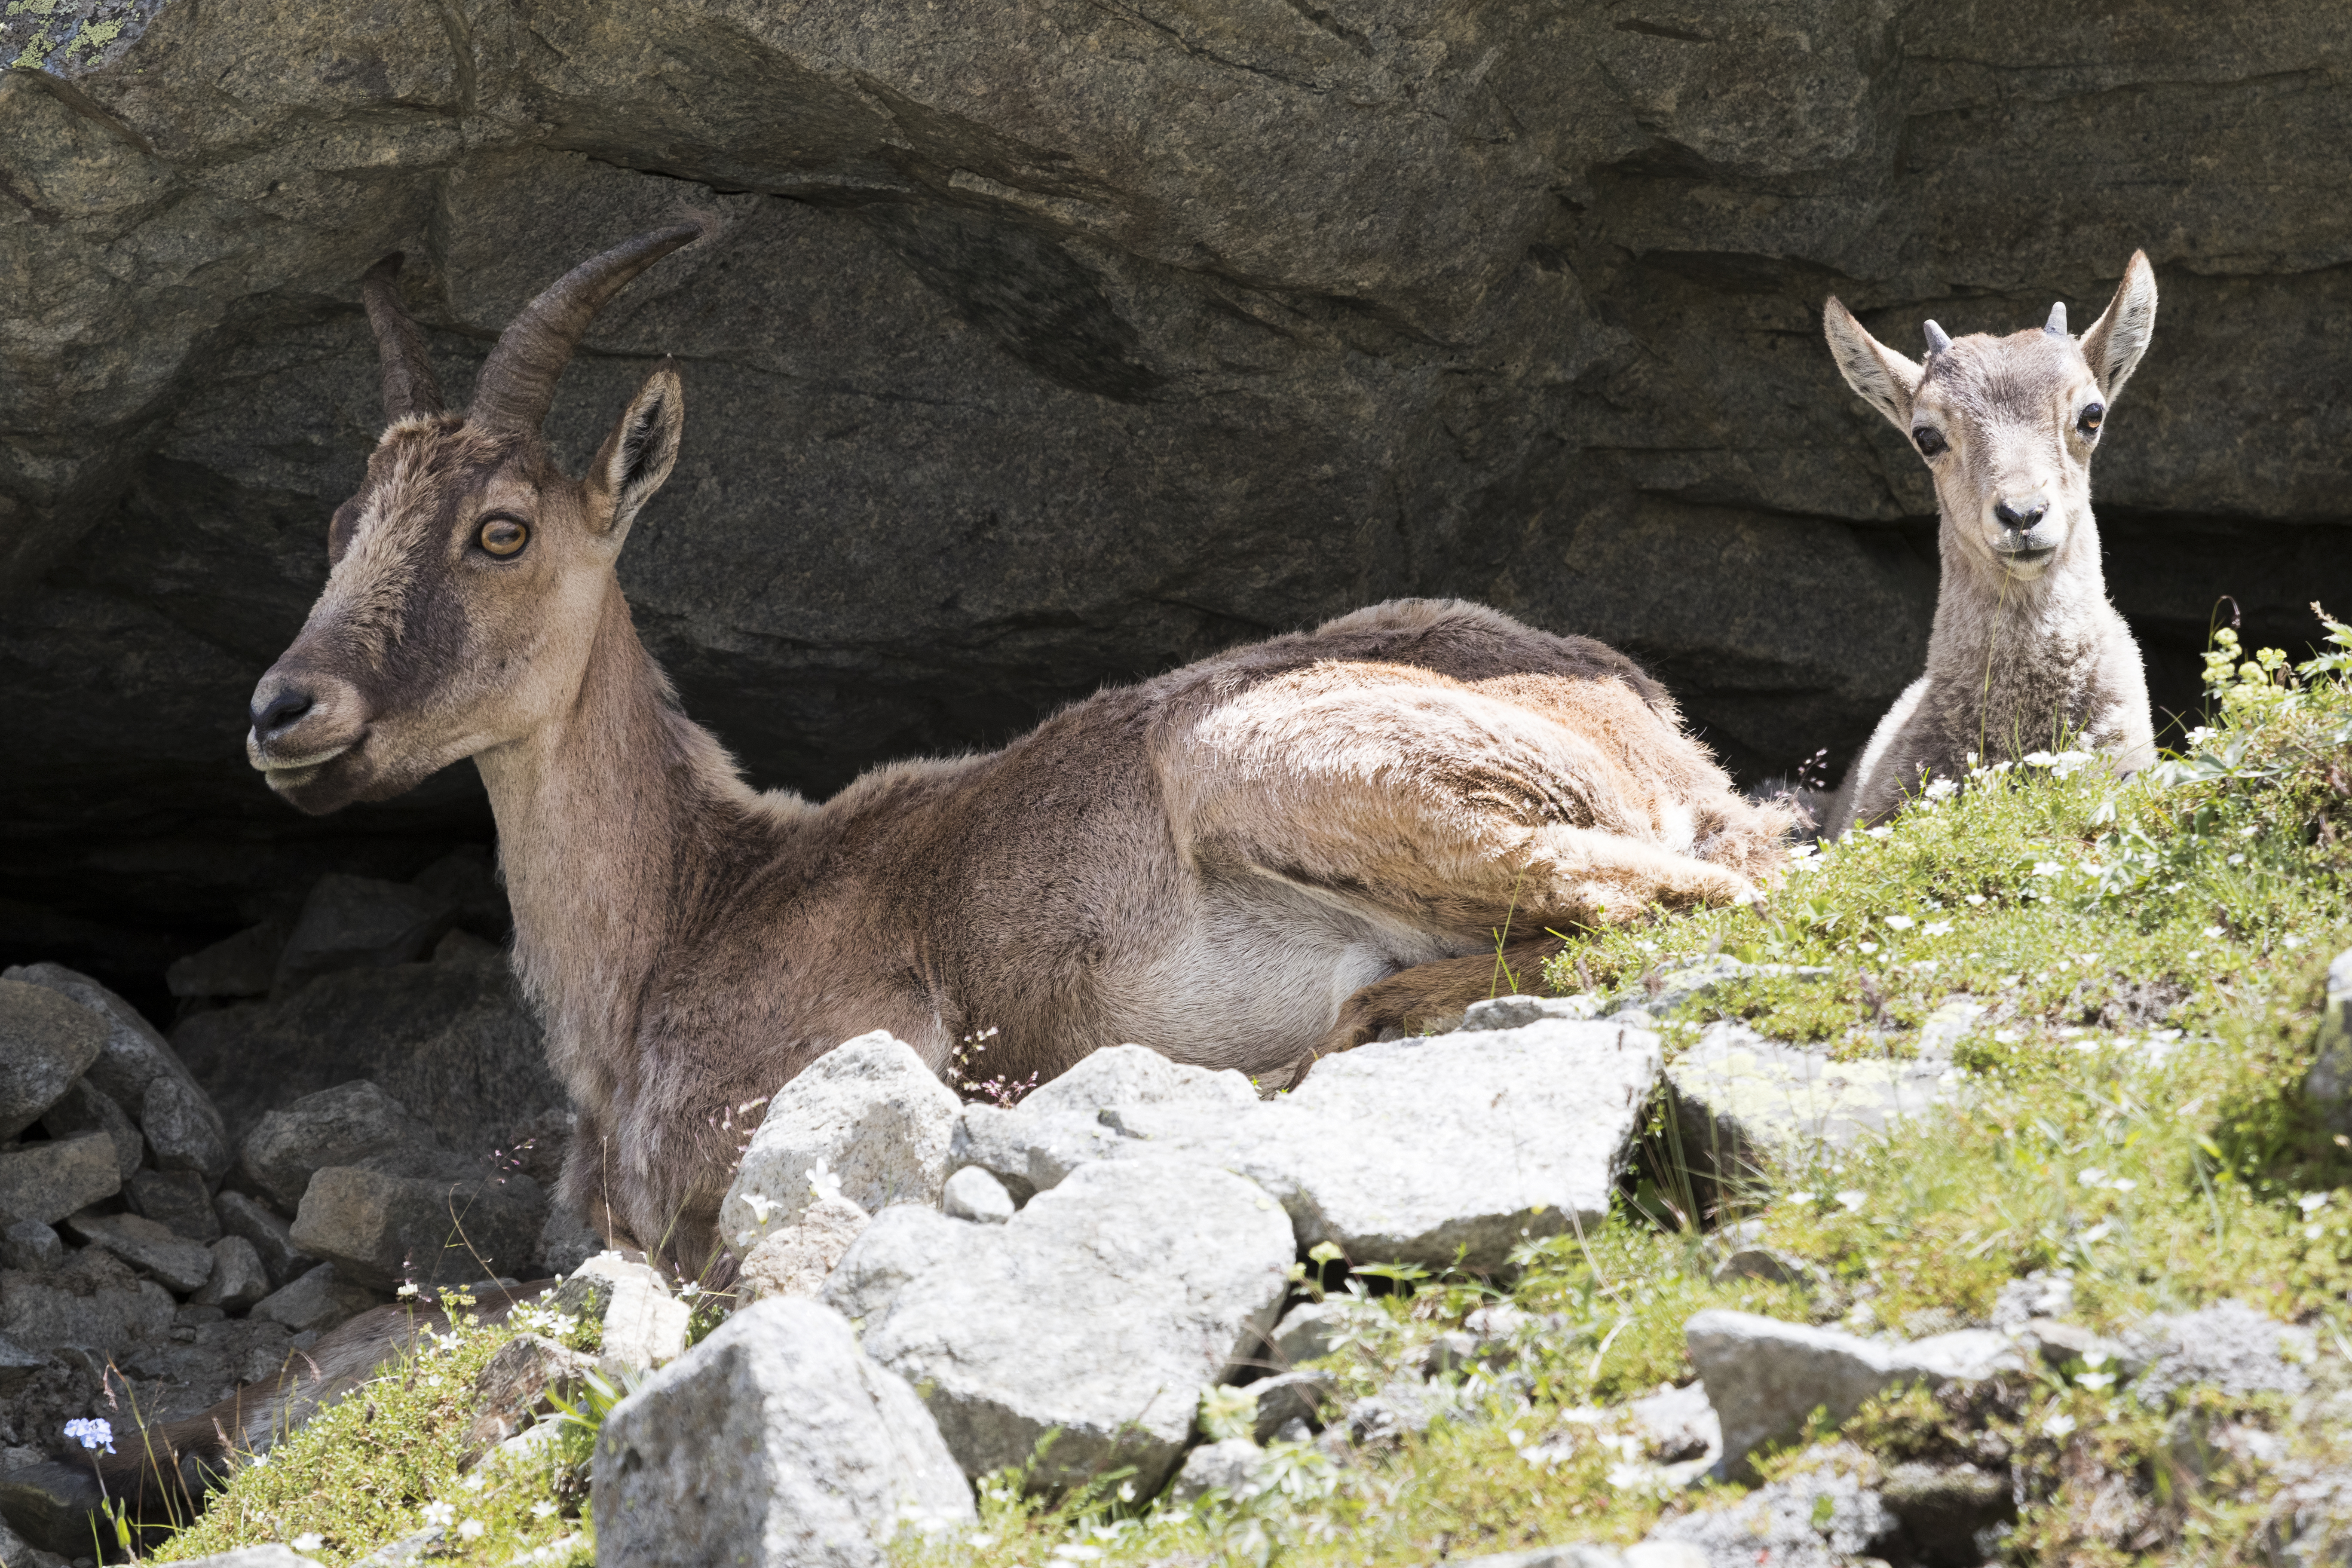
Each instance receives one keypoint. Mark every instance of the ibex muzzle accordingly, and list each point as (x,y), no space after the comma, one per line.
(467,567)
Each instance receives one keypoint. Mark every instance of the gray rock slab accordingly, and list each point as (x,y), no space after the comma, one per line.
(974,1194)
(30,1247)
(50,1181)
(17,1366)
(92,1302)
(1518,1011)
(1309,1330)
(271,1232)
(897,1243)
(338,1126)
(86,1108)
(774,1442)
(154,1250)
(50,1505)
(140,1071)
(1101,1310)
(238,1279)
(45,1044)
(1764,1376)
(644,1325)
(2229,1346)
(870,1112)
(798,1259)
(520,1383)
(1677,1424)
(1824,1517)
(1233,1468)
(418,1215)
(1641,1555)
(236,966)
(451,1039)
(1420,1150)
(359,922)
(1073,1120)
(1708,977)
(273,1555)
(179,1201)
(567,1240)
(1739,1095)
(19,1553)
(319,1300)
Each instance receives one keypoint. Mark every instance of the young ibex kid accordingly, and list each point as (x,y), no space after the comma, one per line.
(2026,652)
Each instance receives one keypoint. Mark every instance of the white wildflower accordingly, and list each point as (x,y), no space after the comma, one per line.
(1854,1199)
(760,1206)
(2061,1426)
(1941,789)
(2310,1201)
(824,1183)
(309,1540)
(1974,900)
(1899,922)
(1936,928)
(2213,933)
(542,1509)
(2049,868)
(1881,831)
(440,1514)
(470,1530)
(1868,948)
(2092,1176)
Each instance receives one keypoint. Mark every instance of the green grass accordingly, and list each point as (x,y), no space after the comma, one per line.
(2150,958)
(373,1468)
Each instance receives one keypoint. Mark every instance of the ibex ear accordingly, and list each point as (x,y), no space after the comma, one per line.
(637,455)
(2118,338)
(1886,380)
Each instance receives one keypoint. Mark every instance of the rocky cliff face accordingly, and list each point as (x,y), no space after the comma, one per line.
(1058,343)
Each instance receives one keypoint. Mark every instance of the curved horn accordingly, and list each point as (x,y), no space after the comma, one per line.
(2056,325)
(409,386)
(518,381)
(1936,340)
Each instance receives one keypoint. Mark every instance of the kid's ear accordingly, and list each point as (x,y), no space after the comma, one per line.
(638,455)
(2120,336)
(1886,380)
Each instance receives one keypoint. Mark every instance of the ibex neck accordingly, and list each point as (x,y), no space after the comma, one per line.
(2019,650)
(602,814)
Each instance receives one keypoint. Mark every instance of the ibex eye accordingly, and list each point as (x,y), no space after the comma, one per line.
(2091,415)
(1930,440)
(503,536)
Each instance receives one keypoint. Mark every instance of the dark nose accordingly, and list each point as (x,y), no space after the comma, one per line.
(2020,514)
(279,712)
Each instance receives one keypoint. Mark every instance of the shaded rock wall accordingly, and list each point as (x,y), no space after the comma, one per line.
(1058,343)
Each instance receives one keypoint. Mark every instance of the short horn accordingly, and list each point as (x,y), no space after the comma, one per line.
(2056,325)
(1936,341)
(409,386)
(518,381)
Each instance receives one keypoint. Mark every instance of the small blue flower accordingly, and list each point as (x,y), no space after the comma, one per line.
(96,1433)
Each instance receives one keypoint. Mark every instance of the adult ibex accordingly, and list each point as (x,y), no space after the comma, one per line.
(1217,863)
(2026,652)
